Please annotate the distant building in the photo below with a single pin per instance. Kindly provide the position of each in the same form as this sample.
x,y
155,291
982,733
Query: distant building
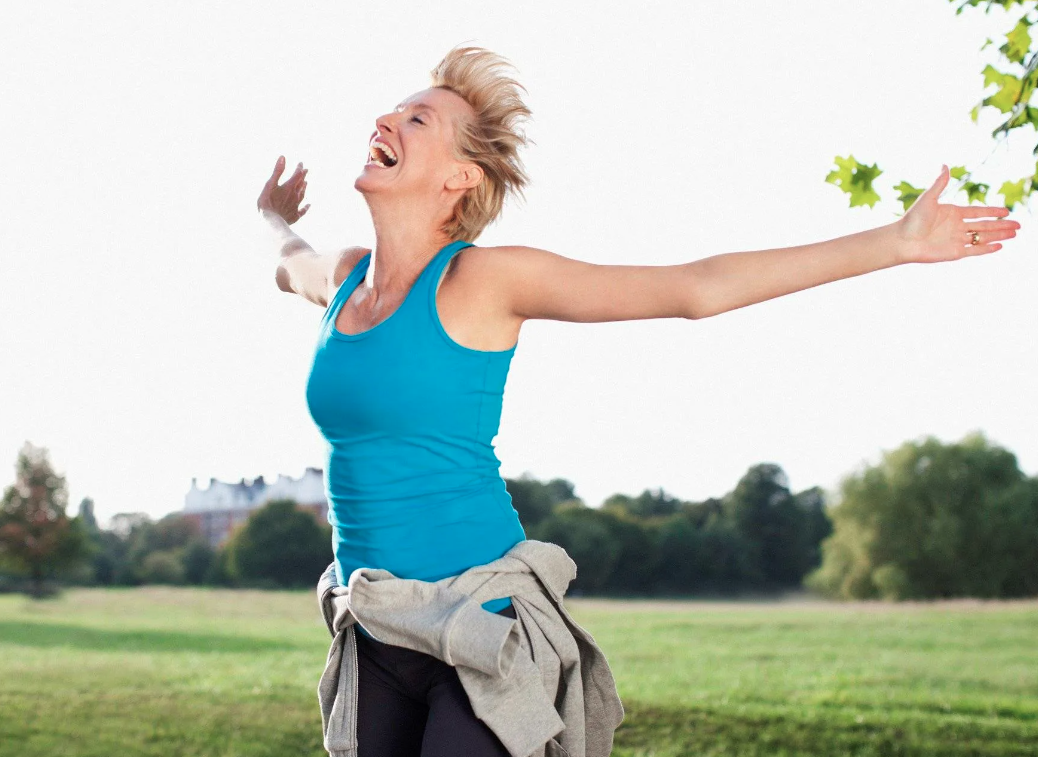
x,y
221,507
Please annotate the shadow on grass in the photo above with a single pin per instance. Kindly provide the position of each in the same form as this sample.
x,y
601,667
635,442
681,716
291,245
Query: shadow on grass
x,y
51,635
650,729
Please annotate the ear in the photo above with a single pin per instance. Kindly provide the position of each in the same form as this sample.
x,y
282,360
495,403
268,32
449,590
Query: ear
x,y
468,175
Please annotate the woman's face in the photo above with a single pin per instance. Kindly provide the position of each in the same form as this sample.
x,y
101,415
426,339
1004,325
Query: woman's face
x,y
420,136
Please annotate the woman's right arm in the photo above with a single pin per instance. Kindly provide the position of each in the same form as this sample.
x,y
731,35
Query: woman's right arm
x,y
301,269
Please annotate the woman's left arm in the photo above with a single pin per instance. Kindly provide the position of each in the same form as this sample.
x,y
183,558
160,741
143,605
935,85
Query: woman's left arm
x,y
928,232
540,284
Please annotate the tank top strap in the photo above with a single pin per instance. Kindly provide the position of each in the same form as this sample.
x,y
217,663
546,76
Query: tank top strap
x,y
350,282
440,261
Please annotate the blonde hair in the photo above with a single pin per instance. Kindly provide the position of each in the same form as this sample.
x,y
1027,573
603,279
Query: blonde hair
x,y
491,140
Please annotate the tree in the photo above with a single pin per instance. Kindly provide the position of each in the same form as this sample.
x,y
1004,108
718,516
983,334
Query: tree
x,y
585,535
534,500
36,536
169,535
818,526
934,521
1012,98
648,504
280,545
635,567
764,511
197,558
163,566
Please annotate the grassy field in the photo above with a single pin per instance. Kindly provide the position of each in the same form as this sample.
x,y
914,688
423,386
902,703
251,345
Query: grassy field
x,y
179,672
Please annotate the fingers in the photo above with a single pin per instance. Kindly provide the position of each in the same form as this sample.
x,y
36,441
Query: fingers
x,y
279,167
990,236
1006,226
983,249
980,211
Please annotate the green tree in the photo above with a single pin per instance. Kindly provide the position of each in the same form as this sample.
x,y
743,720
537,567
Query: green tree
x,y
680,555
648,504
36,536
171,534
197,558
635,566
534,500
585,533
817,528
280,545
219,571
163,566
933,521
764,511
1015,82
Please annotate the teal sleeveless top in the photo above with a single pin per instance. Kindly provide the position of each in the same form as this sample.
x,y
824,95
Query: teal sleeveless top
x,y
408,416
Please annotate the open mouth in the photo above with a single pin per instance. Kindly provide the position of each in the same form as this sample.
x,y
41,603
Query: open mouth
x,y
382,155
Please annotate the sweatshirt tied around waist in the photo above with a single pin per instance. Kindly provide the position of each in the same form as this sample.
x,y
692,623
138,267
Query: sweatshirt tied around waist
x,y
539,681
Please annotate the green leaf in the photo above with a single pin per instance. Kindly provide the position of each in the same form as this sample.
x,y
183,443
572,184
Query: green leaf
x,y
855,179
1007,4
1018,41
1009,91
957,172
1013,191
976,191
909,194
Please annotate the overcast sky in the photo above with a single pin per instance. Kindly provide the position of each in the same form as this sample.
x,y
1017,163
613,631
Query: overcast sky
x,y
144,341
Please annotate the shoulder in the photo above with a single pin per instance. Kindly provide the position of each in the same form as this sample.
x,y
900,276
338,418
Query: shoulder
x,y
344,261
488,272
489,264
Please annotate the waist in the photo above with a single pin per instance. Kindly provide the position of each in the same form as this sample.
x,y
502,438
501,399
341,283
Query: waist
x,y
404,474
424,540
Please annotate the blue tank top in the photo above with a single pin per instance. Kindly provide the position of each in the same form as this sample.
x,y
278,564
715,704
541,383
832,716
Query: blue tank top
x,y
408,416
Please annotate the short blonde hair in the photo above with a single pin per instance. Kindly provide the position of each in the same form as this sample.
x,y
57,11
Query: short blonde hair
x,y
491,140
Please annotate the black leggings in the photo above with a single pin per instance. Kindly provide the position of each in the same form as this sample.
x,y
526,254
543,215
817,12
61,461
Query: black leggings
x,y
411,704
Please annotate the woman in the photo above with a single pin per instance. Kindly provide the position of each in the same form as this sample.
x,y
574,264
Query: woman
x,y
409,371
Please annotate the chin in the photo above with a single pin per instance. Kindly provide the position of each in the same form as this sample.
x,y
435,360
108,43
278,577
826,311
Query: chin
x,y
365,183
367,180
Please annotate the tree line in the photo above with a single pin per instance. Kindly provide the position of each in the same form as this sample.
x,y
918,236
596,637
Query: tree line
x,y
930,520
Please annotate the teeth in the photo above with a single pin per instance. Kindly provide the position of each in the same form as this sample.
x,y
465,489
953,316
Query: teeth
x,y
375,147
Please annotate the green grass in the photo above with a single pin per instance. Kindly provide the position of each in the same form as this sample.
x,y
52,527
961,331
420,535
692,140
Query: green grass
x,y
184,671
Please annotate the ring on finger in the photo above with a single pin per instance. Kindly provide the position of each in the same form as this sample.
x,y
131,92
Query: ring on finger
x,y
975,237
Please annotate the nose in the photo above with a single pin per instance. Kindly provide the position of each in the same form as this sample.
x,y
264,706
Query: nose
x,y
382,124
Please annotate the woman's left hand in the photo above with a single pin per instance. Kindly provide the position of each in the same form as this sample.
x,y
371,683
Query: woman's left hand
x,y
931,233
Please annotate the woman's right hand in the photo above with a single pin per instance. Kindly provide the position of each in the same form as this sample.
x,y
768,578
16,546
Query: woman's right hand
x,y
284,199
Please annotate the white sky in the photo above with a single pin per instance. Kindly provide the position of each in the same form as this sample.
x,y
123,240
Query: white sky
x,y
144,340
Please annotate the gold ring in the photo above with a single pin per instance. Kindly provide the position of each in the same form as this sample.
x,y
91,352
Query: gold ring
x,y
976,237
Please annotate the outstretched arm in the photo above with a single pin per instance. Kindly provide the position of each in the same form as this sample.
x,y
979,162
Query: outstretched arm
x,y
928,233
541,284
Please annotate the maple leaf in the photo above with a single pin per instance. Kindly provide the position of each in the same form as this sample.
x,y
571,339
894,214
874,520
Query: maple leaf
x,y
1013,191
976,191
909,194
1018,41
1009,91
855,179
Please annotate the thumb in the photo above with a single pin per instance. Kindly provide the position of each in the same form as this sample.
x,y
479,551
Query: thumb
x,y
941,182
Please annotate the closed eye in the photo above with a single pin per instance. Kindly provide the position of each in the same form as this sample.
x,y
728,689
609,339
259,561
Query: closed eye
x,y
416,118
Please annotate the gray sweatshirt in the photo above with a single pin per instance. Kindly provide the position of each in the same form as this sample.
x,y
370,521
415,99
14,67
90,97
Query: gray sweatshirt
x,y
539,681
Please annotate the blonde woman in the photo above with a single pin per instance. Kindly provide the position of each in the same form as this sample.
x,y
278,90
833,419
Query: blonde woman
x,y
409,370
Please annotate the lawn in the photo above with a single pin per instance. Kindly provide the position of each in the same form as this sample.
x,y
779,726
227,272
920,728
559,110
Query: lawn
x,y
185,672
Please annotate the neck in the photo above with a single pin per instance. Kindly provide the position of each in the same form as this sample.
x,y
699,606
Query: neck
x,y
407,236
